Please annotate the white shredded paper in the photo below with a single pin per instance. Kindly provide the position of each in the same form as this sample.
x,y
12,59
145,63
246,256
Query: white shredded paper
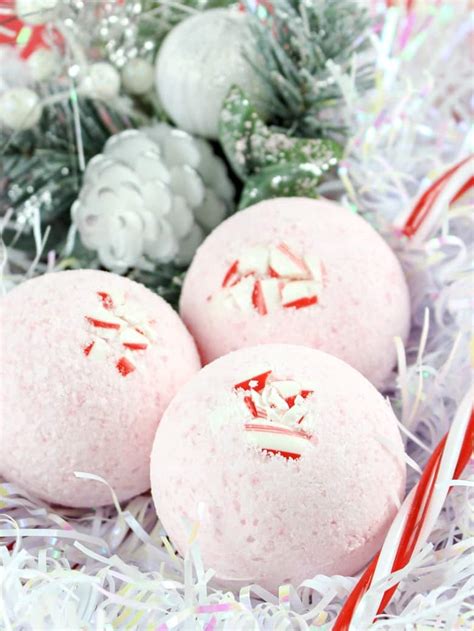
x,y
113,568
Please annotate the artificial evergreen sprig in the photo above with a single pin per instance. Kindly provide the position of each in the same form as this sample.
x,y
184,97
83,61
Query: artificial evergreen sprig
x,y
129,29
271,163
41,176
296,39
160,16
41,167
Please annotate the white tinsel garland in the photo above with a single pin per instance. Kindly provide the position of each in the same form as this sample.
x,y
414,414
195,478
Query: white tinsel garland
x,y
150,197
114,569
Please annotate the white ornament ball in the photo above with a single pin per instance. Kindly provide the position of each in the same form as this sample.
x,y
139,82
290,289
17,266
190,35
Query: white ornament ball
x,y
35,11
20,108
102,81
138,76
198,63
14,72
43,64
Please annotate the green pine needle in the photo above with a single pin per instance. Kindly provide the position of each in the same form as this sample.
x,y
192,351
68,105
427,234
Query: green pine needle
x,y
41,174
295,40
41,168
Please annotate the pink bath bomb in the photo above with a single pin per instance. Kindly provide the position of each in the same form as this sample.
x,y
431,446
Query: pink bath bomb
x,y
88,363
290,461
298,271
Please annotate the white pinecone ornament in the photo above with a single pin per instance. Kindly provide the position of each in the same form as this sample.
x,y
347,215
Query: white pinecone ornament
x,y
151,197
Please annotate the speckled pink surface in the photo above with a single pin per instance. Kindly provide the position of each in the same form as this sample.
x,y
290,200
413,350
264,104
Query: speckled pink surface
x,y
362,306
62,410
265,518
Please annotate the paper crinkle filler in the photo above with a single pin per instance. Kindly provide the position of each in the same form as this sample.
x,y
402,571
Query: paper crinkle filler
x,y
408,170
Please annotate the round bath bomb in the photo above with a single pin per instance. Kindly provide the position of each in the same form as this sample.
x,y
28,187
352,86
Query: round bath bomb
x,y
288,458
88,363
298,271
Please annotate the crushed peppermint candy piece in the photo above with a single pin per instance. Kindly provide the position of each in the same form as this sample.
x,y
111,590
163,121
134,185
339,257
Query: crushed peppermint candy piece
x,y
97,349
267,278
279,422
271,289
276,439
299,292
286,264
254,259
116,320
256,383
125,366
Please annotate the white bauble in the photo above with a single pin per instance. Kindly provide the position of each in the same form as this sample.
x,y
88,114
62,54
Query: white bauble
x,y
20,108
102,81
43,64
35,11
138,76
14,72
198,63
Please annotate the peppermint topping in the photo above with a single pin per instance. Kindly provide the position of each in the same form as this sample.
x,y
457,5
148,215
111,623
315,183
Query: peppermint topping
x,y
125,324
266,278
278,419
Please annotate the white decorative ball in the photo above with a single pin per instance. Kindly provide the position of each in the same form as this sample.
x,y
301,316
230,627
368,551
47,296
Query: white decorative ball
x,y
43,64
35,11
150,197
102,81
198,63
14,72
20,108
138,76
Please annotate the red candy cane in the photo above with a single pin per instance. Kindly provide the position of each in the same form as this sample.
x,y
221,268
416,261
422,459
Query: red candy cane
x,y
445,190
416,517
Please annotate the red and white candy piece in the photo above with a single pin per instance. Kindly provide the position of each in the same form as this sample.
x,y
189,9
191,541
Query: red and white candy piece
x,y
104,322
270,294
279,415
299,293
243,294
413,524
285,264
133,339
277,439
254,260
268,278
115,319
256,383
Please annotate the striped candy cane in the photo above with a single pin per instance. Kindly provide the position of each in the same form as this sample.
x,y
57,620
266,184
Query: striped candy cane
x,y
413,523
445,190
